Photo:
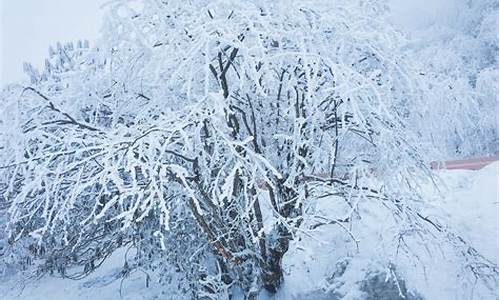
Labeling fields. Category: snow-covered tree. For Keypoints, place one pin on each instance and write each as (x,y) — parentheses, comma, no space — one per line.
(200,133)
(458,116)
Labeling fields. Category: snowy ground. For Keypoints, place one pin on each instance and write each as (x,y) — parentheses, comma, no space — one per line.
(105,284)
(324,270)
(467,203)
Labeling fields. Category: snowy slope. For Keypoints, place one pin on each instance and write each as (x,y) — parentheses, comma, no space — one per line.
(331,263)
(106,284)
(320,265)
(471,203)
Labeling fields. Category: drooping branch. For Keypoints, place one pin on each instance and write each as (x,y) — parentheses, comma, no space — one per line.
(69,119)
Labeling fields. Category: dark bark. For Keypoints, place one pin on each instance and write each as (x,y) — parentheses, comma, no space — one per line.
(272,272)
(278,241)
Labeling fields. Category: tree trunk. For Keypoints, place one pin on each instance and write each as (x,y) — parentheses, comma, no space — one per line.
(272,272)
(278,243)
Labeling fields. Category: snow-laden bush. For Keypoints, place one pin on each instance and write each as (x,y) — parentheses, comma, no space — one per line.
(201,133)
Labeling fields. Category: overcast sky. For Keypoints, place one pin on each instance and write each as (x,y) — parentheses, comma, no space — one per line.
(28,27)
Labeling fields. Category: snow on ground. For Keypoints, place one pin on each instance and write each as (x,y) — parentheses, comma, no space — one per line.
(471,203)
(331,265)
(104,284)
(325,269)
